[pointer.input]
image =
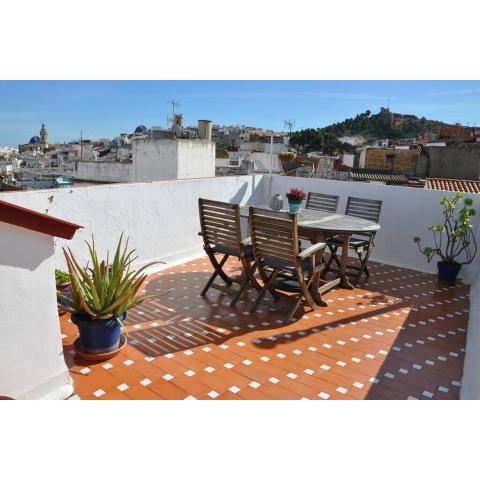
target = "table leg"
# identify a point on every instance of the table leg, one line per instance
(345, 283)
(318, 237)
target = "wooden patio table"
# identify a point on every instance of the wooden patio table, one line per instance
(318, 226)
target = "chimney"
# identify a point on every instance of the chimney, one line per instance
(205, 130)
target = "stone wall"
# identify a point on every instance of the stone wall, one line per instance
(455, 161)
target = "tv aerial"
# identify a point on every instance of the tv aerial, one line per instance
(174, 104)
(289, 125)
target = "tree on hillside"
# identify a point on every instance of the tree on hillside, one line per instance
(313, 140)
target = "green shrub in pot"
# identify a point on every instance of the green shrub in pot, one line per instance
(454, 239)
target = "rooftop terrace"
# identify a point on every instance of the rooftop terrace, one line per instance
(401, 335)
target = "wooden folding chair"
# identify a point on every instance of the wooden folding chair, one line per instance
(220, 229)
(280, 263)
(361, 208)
(321, 201)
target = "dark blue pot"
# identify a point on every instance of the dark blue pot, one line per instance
(448, 272)
(98, 336)
(65, 290)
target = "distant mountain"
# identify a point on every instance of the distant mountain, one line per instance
(384, 124)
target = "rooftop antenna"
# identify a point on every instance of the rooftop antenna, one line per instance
(174, 104)
(289, 125)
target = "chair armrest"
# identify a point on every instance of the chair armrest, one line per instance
(311, 250)
(246, 241)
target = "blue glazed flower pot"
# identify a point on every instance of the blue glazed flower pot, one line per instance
(294, 206)
(66, 290)
(98, 336)
(448, 272)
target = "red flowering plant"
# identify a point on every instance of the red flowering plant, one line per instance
(296, 195)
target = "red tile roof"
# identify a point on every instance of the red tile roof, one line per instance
(453, 185)
(38, 222)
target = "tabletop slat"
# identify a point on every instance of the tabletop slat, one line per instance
(327, 221)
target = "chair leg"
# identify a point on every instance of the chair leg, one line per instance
(263, 291)
(333, 257)
(264, 278)
(218, 271)
(243, 285)
(317, 297)
(250, 272)
(363, 265)
(294, 308)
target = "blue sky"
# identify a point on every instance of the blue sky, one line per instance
(106, 108)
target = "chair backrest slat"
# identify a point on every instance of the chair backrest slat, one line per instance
(321, 201)
(220, 223)
(274, 235)
(364, 208)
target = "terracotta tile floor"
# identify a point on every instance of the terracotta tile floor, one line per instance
(400, 336)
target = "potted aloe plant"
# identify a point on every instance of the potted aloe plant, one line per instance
(295, 197)
(102, 295)
(453, 239)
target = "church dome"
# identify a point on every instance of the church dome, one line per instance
(35, 140)
(141, 130)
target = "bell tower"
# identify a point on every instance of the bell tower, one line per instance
(44, 134)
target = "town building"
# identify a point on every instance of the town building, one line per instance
(399, 158)
(38, 143)
(154, 155)
(455, 161)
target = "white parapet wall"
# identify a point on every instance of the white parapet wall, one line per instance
(471, 368)
(406, 213)
(470, 389)
(32, 365)
(160, 218)
(109, 172)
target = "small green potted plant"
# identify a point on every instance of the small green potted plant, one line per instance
(453, 239)
(62, 281)
(295, 197)
(101, 296)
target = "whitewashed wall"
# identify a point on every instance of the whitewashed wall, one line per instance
(154, 159)
(32, 365)
(471, 368)
(195, 159)
(104, 171)
(161, 218)
(262, 161)
(406, 213)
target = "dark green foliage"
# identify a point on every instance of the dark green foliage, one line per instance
(372, 127)
(312, 140)
(383, 125)
(61, 277)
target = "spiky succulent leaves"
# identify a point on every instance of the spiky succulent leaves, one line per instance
(110, 289)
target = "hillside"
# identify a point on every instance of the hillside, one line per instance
(385, 124)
